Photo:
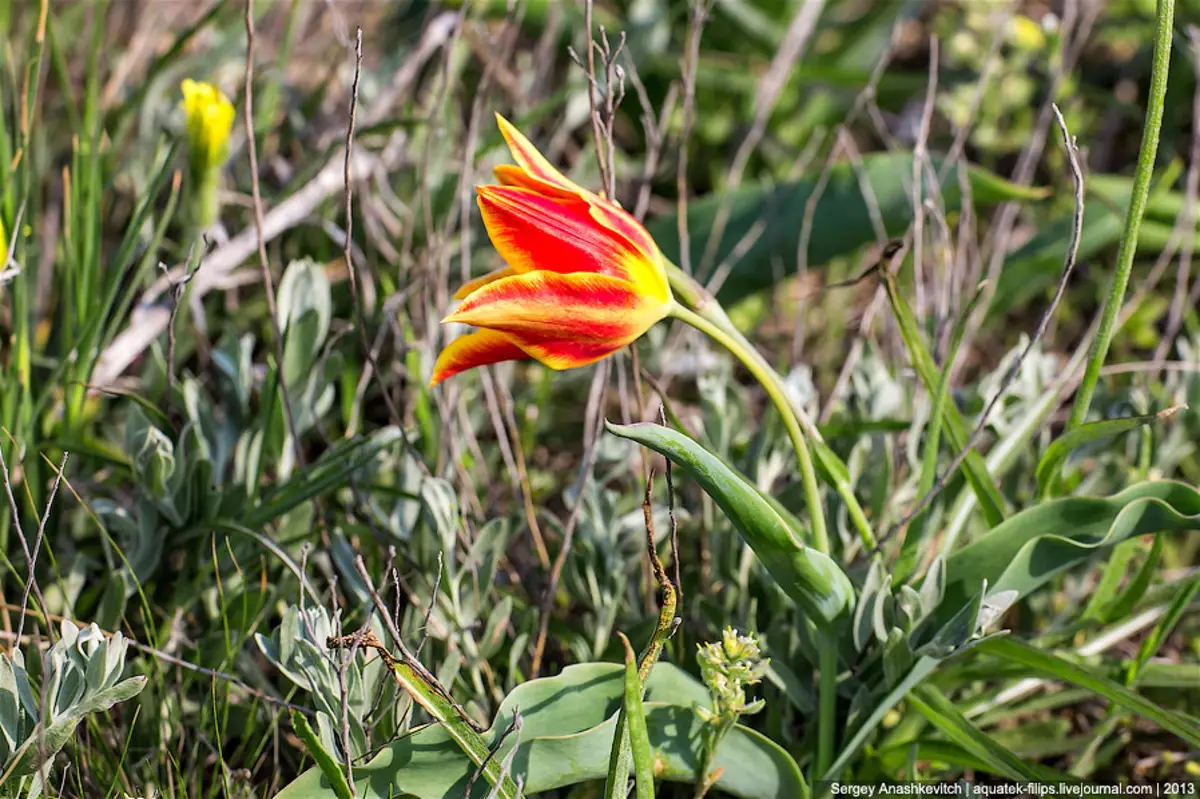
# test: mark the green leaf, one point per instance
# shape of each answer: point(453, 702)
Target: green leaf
point(1058, 668)
point(1179, 605)
point(1051, 462)
point(639, 737)
point(305, 309)
point(919, 671)
point(1034, 545)
point(1035, 267)
point(841, 221)
point(911, 548)
point(973, 466)
point(325, 761)
point(813, 580)
point(44, 743)
point(565, 738)
point(332, 470)
point(942, 714)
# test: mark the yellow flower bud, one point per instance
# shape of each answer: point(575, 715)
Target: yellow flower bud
point(1026, 34)
point(209, 123)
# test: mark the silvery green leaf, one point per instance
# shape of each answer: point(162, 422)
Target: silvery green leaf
point(151, 453)
point(994, 606)
point(870, 596)
point(957, 631)
point(441, 503)
point(897, 657)
point(933, 587)
point(908, 608)
point(43, 745)
point(305, 308)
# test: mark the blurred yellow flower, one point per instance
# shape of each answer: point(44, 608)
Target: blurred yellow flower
point(209, 123)
point(1027, 34)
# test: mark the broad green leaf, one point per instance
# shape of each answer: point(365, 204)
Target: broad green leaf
point(565, 738)
point(841, 221)
point(1031, 547)
point(811, 579)
point(1051, 462)
point(1058, 668)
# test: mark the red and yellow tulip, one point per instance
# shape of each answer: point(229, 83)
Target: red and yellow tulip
point(583, 277)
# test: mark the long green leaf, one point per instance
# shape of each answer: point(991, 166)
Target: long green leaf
point(811, 579)
point(942, 713)
point(1179, 605)
point(1031, 547)
point(1057, 668)
point(639, 737)
point(325, 761)
point(1051, 462)
point(913, 537)
point(919, 671)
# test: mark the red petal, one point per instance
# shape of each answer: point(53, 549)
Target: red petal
point(561, 353)
point(532, 161)
point(533, 232)
point(579, 307)
point(480, 348)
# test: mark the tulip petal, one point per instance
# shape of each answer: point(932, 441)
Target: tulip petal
point(533, 233)
point(545, 306)
point(480, 348)
point(479, 282)
point(532, 161)
point(562, 354)
point(512, 175)
point(648, 272)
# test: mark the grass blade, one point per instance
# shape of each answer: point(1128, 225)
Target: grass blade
point(941, 713)
point(1006, 648)
point(990, 501)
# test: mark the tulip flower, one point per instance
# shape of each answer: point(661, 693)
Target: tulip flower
point(583, 277)
point(209, 122)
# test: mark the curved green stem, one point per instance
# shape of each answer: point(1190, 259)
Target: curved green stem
point(706, 306)
point(1163, 30)
point(774, 388)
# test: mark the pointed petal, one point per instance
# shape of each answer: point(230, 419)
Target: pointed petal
point(490, 277)
point(512, 175)
point(647, 271)
point(480, 348)
point(533, 162)
point(562, 354)
point(596, 309)
point(533, 232)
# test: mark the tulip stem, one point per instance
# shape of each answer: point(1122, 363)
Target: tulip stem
point(774, 387)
